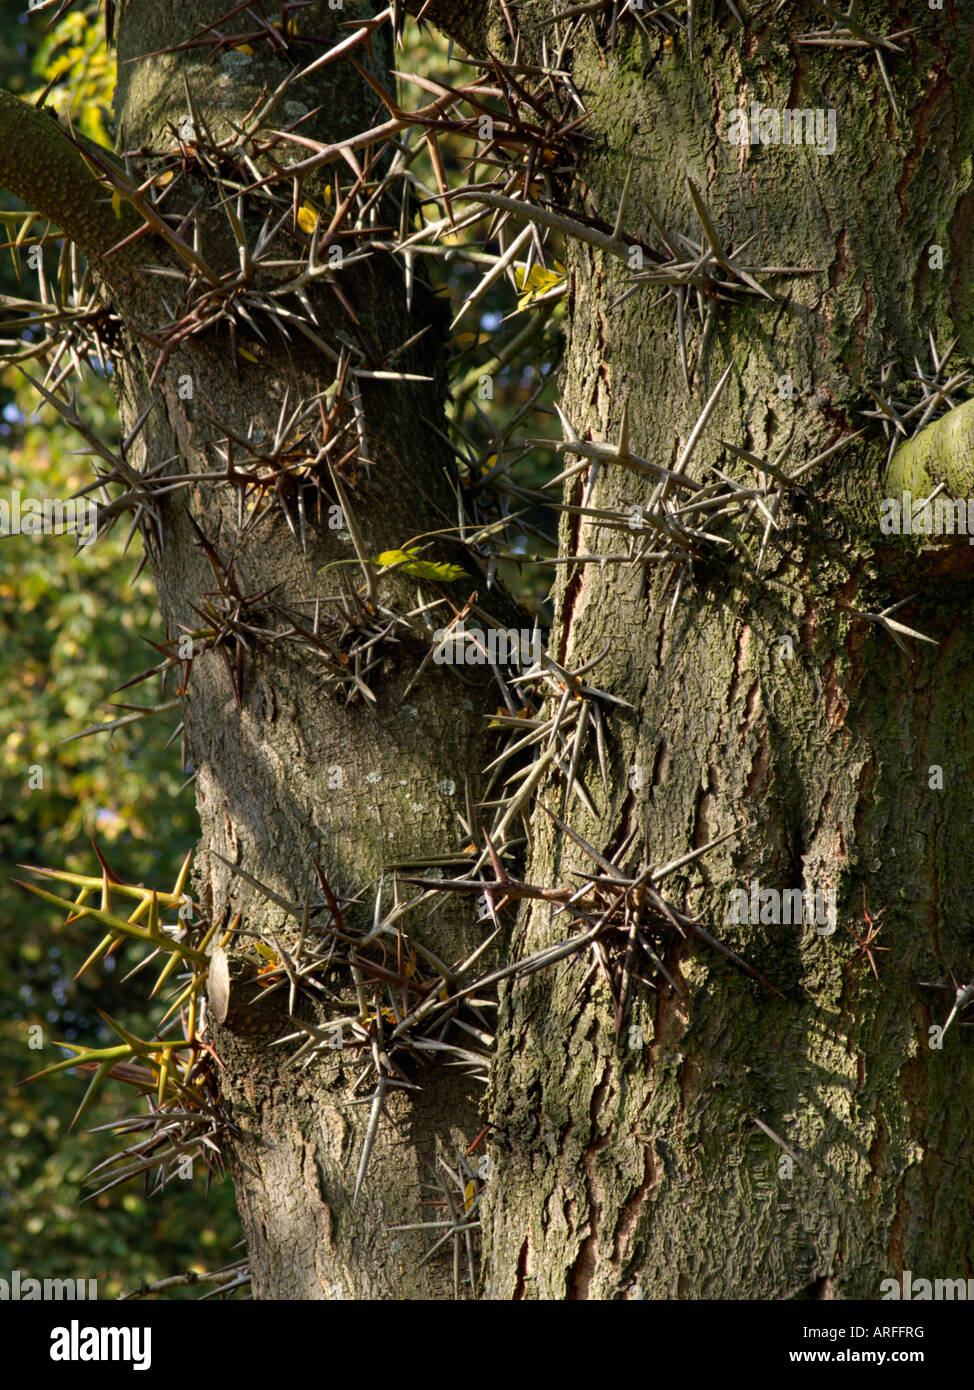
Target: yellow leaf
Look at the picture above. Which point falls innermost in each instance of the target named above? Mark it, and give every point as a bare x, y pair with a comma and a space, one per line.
243, 48
469, 1193
307, 218
117, 204
249, 355
537, 282
423, 569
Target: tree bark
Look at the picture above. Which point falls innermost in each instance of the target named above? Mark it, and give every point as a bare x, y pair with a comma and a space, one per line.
641, 1170
720, 1141
293, 774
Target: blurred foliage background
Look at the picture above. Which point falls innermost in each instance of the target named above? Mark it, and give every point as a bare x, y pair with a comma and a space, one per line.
71, 632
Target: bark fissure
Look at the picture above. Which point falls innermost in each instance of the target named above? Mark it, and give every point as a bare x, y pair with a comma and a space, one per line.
767, 699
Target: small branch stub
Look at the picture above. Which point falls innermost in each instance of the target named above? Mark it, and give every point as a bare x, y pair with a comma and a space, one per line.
234, 993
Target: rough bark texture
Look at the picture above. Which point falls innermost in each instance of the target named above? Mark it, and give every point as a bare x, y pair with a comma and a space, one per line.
639, 1170
629, 1166
39, 164
294, 775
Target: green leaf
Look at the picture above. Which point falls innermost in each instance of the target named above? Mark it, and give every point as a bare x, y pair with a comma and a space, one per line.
423, 569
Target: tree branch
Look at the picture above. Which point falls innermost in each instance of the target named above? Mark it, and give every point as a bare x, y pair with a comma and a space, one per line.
40, 164
465, 21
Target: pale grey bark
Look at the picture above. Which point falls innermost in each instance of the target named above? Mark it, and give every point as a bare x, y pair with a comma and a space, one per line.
633, 1162
624, 1169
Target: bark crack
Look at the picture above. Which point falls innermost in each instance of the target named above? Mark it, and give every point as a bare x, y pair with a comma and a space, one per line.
583, 1269
520, 1280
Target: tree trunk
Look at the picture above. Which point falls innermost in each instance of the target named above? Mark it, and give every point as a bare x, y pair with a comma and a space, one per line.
289, 772
637, 1166
693, 1133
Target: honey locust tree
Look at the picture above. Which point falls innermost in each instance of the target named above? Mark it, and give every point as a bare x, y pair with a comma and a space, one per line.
748, 684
